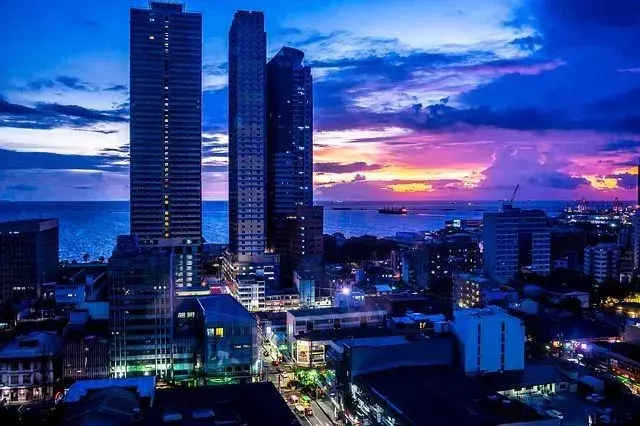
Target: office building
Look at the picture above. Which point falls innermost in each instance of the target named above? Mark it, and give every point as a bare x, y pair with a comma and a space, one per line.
444, 257
28, 257
250, 277
165, 132
289, 143
29, 368
140, 309
489, 340
231, 339
602, 262
247, 134
515, 240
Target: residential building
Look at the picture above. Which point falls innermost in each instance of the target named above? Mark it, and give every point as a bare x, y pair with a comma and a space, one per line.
306, 237
515, 240
141, 308
29, 368
165, 89
489, 340
28, 257
231, 339
602, 262
289, 147
247, 134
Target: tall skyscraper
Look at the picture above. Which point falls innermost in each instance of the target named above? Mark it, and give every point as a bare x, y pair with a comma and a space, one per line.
166, 127
513, 240
289, 143
247, 131
28, 257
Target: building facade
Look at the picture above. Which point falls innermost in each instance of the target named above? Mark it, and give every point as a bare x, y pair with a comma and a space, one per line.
247, 134
602, 262
166, 132
250, 276
28, 257
489, 340
29, 368
141, 308
289, 143
231, 339
515, 240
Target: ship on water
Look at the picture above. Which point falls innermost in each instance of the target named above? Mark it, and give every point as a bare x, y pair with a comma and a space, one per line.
393, 210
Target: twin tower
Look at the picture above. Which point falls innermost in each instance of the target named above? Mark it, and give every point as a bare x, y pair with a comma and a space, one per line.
270, 140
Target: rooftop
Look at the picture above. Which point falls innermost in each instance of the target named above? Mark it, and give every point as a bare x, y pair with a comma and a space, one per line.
33, 345
28, 225
330, 311
143, 387
443, 396
224, 305
245, 404
628, 350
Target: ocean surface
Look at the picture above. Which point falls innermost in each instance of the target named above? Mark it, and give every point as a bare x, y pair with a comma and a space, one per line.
92, 227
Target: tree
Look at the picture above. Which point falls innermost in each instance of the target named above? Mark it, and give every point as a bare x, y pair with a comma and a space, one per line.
101, 259
86, 257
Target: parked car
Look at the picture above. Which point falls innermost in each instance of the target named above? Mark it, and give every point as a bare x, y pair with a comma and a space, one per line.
555, 413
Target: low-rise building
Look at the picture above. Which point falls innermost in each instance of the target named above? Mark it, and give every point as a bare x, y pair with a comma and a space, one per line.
490, 340
231, 339
29, 367
249, 277
281, 300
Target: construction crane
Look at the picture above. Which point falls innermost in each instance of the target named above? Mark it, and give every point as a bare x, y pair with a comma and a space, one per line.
509, 203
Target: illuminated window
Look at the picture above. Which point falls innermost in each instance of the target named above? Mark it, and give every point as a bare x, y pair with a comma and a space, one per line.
152, 37
219, 332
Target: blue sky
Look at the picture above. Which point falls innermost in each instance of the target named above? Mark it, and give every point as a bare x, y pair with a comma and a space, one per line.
455, 99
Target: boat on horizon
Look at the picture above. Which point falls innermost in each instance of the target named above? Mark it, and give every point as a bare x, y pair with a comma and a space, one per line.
393, 210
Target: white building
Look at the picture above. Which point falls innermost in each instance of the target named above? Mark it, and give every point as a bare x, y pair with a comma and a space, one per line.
27, 368
250, 276
602, 262
489, 340
304, 320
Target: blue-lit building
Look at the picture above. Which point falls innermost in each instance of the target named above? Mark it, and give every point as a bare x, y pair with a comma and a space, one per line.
140, 309
165, 132
231, 339
289, 142
247, 134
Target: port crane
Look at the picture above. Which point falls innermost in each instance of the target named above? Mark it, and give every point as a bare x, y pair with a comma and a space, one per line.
509, 203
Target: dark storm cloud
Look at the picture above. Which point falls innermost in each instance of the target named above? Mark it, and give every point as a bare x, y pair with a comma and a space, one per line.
62, 81
359, 166
117, 88
557, 180
622, 145
624, 180
17, 160
52, 115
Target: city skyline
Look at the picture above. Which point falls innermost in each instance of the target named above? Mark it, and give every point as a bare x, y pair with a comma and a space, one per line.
407, 106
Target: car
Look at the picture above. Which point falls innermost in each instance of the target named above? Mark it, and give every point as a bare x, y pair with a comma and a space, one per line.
594, 397
555, 413
275, 363
308, 411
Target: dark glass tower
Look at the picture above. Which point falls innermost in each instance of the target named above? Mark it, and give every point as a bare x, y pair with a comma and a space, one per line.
166, 126
247, 129
289, 148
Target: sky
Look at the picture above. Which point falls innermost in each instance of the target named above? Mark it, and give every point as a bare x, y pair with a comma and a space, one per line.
413, 99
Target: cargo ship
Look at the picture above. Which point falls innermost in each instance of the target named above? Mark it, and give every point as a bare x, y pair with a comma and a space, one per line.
393, 210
